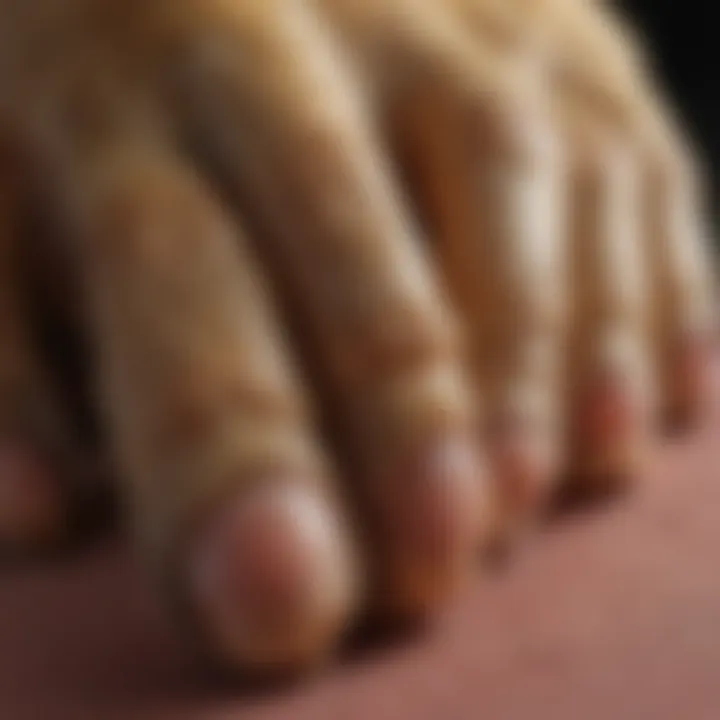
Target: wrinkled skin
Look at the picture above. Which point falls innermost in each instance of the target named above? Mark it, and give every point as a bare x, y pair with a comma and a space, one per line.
355, 284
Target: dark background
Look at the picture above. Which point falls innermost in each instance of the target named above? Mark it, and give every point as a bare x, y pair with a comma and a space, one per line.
684, 39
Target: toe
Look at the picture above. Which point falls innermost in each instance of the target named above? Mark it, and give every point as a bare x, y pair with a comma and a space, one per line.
33, 509
612, 433
268, 578
525, 457
430, 512
691, 387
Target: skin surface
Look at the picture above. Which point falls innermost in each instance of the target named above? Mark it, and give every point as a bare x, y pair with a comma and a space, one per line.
354, 283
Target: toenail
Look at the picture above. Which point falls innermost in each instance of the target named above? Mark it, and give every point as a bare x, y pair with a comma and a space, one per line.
694, 377
609, 411
271, 578
525, 464
434, 514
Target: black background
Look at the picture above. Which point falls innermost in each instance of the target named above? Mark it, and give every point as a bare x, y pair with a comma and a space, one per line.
684, 39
